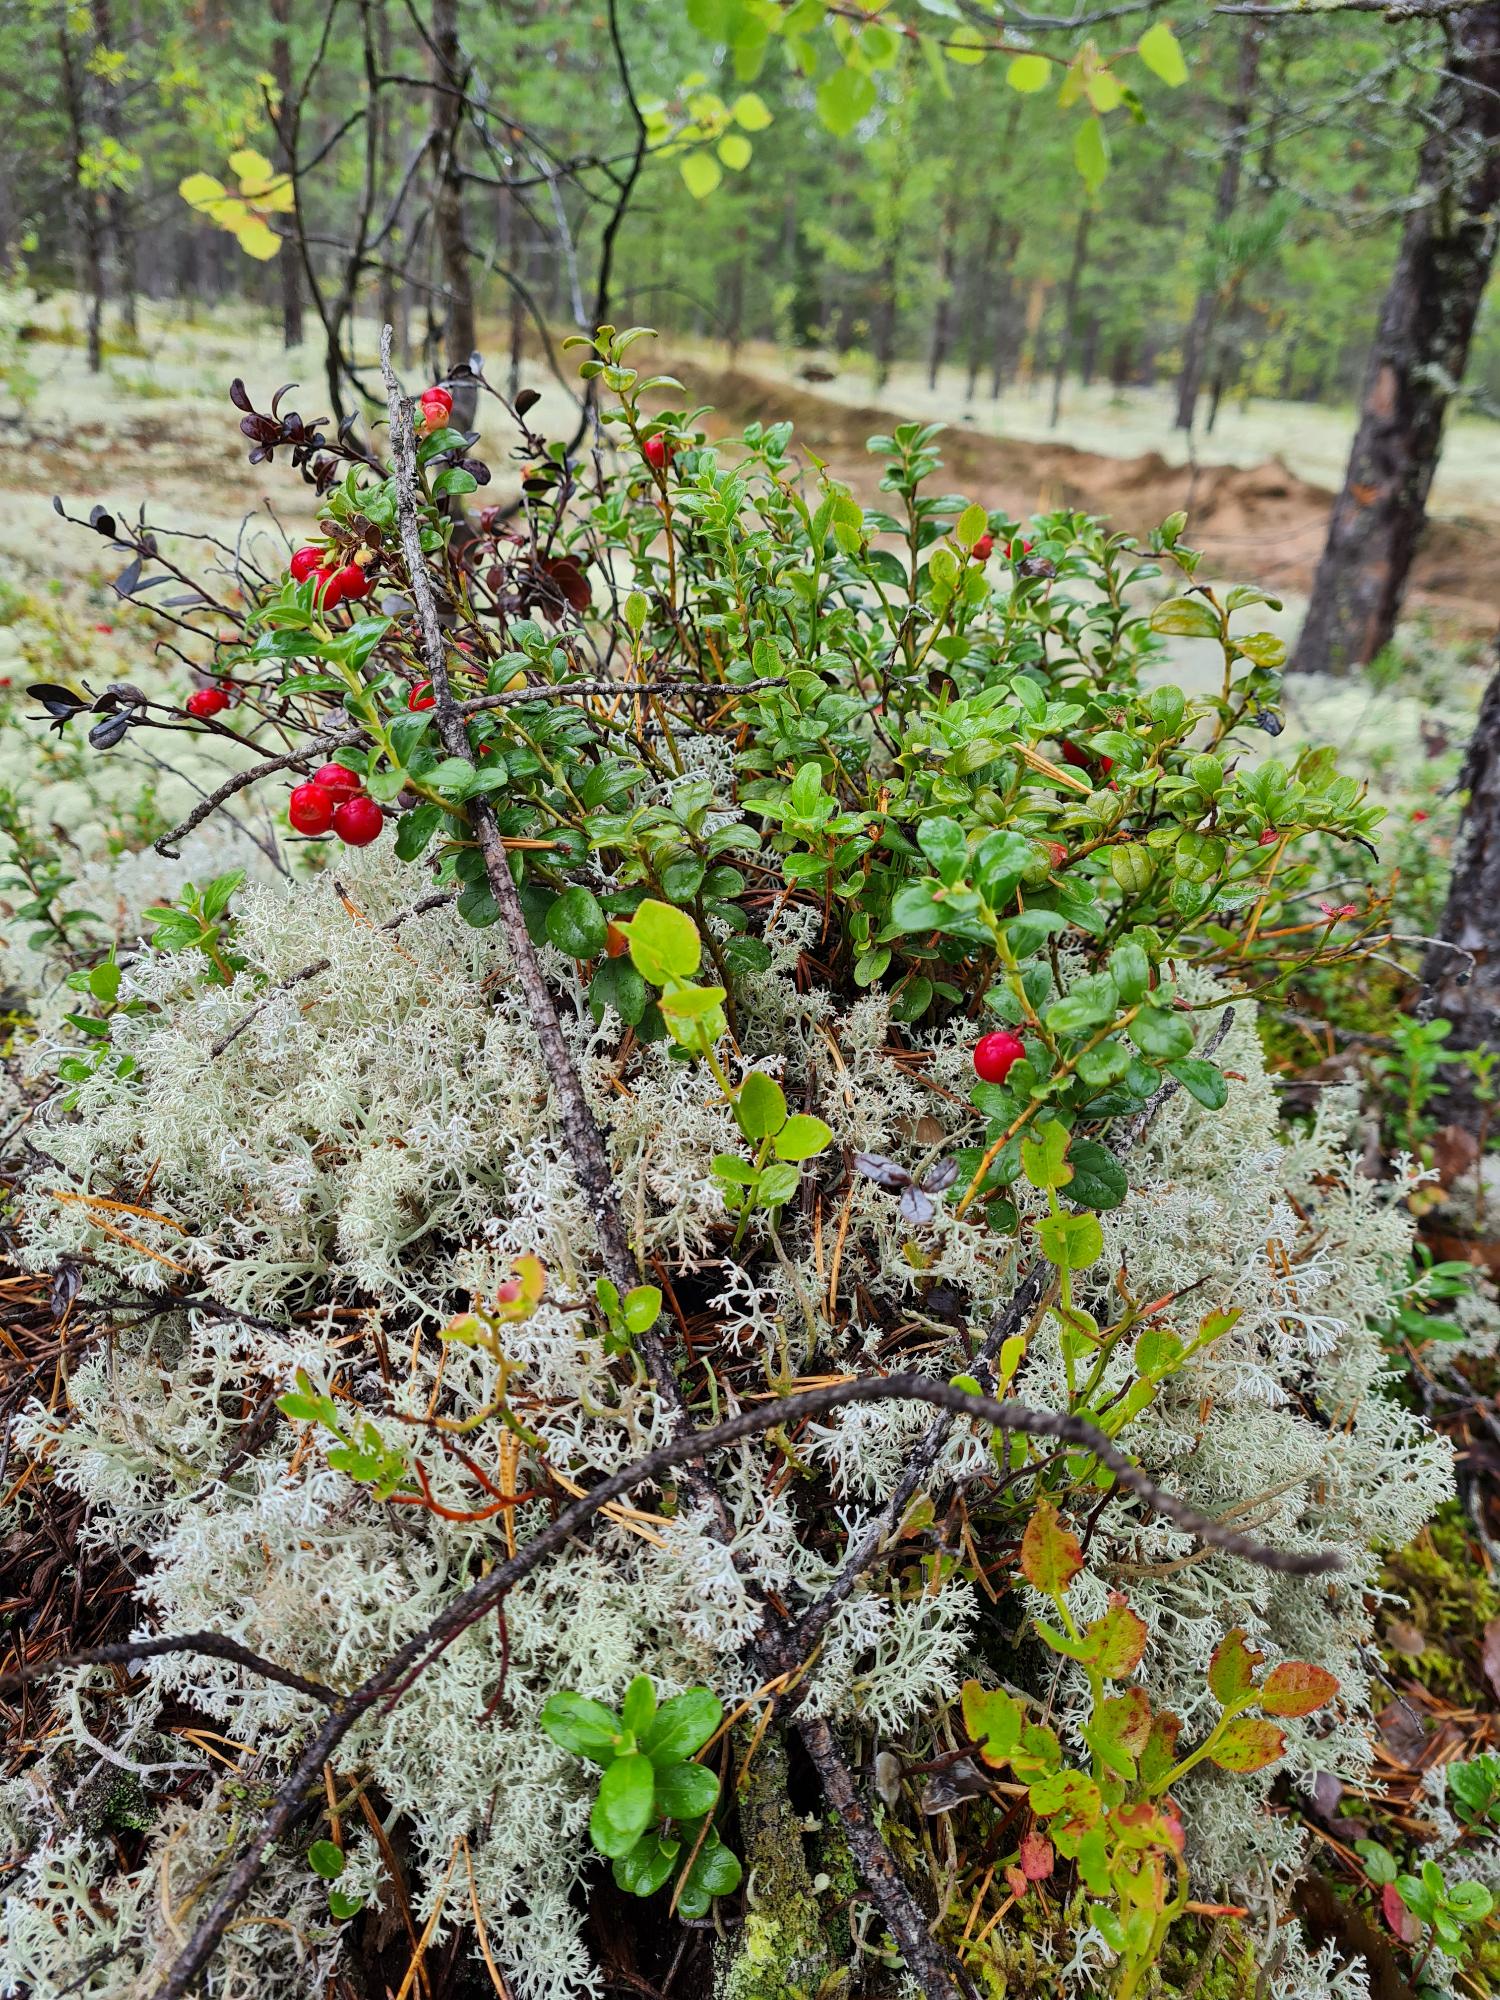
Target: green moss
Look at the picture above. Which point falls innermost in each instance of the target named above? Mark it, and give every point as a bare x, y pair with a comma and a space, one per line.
782, 1952
1450, 1601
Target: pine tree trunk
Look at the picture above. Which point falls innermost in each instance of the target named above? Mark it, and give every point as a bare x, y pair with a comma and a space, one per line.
1461, 988
885, 320
281, 77
1001, 345
942, 318
87, 226
1418, 358
980, 292
1069, 307
1195, 345
451, 73
117, 208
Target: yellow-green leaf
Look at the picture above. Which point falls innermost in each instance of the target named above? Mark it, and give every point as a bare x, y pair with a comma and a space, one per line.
1091, 154
1028, 74
701, 174
965, 45
750, 112
253, 171
201, 190
734, 150
257, 239
1161, 52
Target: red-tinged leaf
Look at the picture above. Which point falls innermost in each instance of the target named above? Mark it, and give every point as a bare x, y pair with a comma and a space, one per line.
1050, 1555
1117, 1640
1160, 1753
1297, 1687
1402, 1921
1037, 1857
1119, 1729
1017, 1884
1248, 1744
1231, 1671
993, 1719
1067, 1796
1148, 1824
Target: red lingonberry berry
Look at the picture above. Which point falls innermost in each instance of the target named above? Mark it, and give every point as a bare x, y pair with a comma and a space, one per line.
1418, 816
438, 394
351, 581
421, 697
656, 451
1270, 837
338, 781
983, 549
1016, 549
358, 821
994, 1055
327, 590
304, 561
310, 809
207, 701
1071, 754
1057, 854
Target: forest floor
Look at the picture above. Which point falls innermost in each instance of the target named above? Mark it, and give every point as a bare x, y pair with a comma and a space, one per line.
1257, 492
155, 423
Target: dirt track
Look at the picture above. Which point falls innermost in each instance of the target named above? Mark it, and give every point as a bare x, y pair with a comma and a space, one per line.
1262, 522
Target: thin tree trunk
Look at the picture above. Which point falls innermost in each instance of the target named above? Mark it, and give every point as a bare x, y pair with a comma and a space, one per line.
451, 74
90, 235
281, 77
117, 207
1418, 359
1069, 307
885, 321
1462, 974
942, 318
1195, 346
386, 284
1001, 348
980, 292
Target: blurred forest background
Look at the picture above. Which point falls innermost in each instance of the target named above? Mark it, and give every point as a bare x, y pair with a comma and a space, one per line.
1151, 238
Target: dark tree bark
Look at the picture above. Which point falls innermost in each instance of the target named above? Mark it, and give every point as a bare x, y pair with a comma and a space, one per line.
1195, 346
885, 318
942, 318
1421, 349
450, 74
117, 207
1002, 346
281, 77
1462, 971
1069, 307
980, 291
87, 222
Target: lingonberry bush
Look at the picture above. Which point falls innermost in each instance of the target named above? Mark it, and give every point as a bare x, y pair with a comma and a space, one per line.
804, 967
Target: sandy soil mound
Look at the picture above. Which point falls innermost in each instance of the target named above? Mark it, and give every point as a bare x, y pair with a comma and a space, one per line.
1261, 521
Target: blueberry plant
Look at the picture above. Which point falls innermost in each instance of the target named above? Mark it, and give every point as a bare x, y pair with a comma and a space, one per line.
691, 687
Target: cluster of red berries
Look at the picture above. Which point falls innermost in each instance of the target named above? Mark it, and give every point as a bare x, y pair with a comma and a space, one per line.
995, 1055
331, 585
335, 797
437, 407
1082, 761
204, 702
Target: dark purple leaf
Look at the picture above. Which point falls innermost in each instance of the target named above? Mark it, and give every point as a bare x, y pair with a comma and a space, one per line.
915, 1207
114, 728
129, 577
941, 1176
237, 395
884, 1173
527, 399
